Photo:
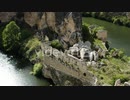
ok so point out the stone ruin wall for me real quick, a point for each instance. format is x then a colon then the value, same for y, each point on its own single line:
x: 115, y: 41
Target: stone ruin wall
x: 68, y: 60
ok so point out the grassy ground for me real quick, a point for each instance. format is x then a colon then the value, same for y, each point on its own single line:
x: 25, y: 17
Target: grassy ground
x: 114, y: 69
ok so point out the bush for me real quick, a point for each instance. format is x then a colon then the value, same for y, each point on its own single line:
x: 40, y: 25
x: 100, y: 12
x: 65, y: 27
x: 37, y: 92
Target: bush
x: 99, y: 43
x: 28, y: 48
x: 125, y: 58
x: 120, y: 53
x: 56, y: 44
x: 85, y: 33
x: 25, y: 33
x: 11, y: 37
x: 1, y: 30
x: 117, y: 53
x: 37, y: 69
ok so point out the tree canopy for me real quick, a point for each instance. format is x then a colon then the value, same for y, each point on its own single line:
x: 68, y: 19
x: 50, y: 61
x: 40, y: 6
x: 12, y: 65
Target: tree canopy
x: 11, y: 36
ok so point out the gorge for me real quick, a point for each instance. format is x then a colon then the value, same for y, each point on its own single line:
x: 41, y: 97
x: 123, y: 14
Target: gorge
x: 60, y: 30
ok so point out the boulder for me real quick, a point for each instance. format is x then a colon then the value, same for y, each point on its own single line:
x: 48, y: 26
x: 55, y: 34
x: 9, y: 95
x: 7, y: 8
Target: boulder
x: 76, y: 45
x: 102, y: 35
x: 88, y: 44
x: 117, y: 82
x: 94, y: 64
x: 89, y: 63
x: 126, y: 84
x: 7, y: 16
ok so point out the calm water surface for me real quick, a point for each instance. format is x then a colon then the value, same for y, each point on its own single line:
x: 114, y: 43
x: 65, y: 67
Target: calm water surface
x: 118, y: 36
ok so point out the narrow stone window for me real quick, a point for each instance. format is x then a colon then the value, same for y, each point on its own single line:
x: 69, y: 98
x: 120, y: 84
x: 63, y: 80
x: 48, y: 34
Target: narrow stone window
x: 84, y: 74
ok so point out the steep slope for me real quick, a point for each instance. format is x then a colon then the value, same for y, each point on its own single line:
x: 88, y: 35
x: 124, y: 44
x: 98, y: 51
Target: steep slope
x: 66, y: 26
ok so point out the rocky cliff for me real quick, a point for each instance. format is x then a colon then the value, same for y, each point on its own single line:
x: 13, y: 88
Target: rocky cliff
x: 66, y: 26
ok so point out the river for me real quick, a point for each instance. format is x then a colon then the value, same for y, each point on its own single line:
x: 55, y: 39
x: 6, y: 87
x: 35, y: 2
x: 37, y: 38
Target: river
x: 118, y: 36
x: 15, y: 72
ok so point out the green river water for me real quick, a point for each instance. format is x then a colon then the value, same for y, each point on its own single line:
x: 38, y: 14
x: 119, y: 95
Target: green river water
x: 15, y: 72
x: 118, y: 36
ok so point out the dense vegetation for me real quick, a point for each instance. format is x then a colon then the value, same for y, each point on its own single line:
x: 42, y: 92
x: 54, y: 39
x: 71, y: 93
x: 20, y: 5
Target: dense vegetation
x: 116, y: 64
x: 20, y: 41
x: 116, y: 19
x: 11, y: 37
x: 56, y: 44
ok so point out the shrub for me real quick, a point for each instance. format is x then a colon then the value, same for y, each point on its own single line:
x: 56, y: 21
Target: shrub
x: 29, y: 46
x: 37, y: 69
x: 120, y: 53
x: 11, y: 37
x: 25, y: 33
x: 125, y: 58
x: 1, y: 30
x: 56, y: 44
x: 85, y: 32
x: 99, y: 43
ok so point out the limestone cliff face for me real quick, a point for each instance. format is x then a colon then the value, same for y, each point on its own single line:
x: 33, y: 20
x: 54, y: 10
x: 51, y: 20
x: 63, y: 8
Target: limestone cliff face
x: 6, y: 16
x: 66, y: 25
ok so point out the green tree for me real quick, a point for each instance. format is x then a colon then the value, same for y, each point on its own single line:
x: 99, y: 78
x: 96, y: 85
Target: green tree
x: 37, y: 69
x: 56, y: 44
x: 11, y: 36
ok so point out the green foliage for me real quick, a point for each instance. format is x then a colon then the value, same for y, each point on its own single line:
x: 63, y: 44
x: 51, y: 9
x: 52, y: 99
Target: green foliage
x: 56, y: 44
x: 40, y: 55
x: 114, y: 69
x: 11, y: 36
x: 84, y: 14
x: 122, y: 77
x: 125, y: 59
x: 32, y: 44
x: 117, y: 53
x: 99, y: 43
x: 28, y: 48
x: 85, y: 33
x: 93, y: 29
x: 116, y: 19
x: 37, y: 69
x: 1, y: 30
x: 25, y: 33
x: 89, y: 31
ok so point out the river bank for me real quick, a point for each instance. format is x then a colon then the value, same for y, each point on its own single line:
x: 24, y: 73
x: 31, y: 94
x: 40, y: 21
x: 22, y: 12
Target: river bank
x: 118, y: 18
x: 114, y: 64
x: 115, y: 67
x: 118, y: 36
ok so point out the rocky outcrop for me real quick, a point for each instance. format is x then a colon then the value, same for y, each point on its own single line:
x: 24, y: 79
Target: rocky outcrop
x: 7, y: 16
x: 126, y: 84
x: 102, y: 35
x: 60, y: 78
x: 117, y: 82
x: 63, y: 78
x: 66, y: 26
x: 65, y: 69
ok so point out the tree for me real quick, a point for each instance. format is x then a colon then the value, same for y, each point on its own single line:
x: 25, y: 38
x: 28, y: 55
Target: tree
x: 11, y: 37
